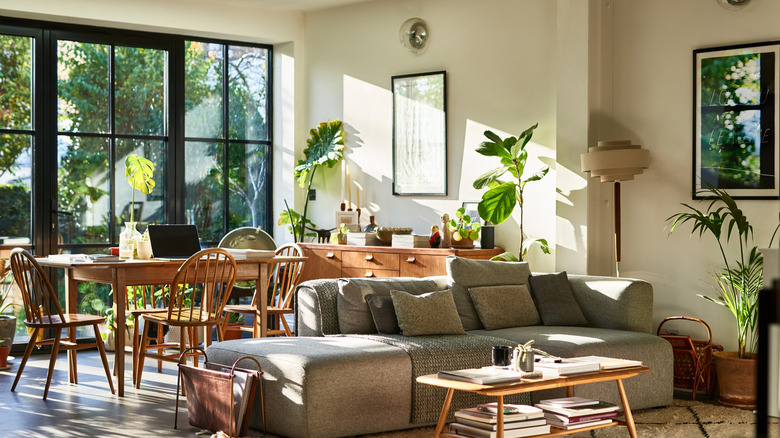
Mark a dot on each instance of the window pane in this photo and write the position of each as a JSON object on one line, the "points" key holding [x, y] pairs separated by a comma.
{"points": [[16, 82], [83, 182], [203, 197], [15, 189], [148, 208], [203, 89], [247, 72], [140, 91], [248, 185], [82, 87]]}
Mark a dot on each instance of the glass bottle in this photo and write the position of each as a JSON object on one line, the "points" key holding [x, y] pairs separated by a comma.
{"points": [[370, 228], [128, 241]]}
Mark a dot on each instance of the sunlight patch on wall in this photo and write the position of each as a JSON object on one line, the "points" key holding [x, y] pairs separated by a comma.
{"points": [[568, 182]]}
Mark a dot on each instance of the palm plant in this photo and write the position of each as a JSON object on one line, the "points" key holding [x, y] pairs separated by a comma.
{"points": [[499, 201], [324, 148], [739, 283]]}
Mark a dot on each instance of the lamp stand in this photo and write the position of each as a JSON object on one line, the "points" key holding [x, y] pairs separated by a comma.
{"points": [[617, 228]]}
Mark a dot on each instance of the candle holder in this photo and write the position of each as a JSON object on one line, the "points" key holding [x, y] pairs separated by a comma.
{"points": [[343, 206], [358, 219]]}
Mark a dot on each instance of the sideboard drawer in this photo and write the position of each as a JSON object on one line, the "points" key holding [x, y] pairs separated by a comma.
{"points": [[321, 263], [417, 265], [368, 273], [370, 260]]}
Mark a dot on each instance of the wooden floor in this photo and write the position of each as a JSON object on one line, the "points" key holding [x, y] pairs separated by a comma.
{"points": [[89, 409]]}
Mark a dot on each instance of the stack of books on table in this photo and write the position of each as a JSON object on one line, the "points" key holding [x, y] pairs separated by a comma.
{"points": [[570, 413], [482, 421], [410, 241]]}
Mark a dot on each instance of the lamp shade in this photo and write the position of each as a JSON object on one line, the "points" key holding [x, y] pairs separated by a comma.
{"points": [[615, 160]]}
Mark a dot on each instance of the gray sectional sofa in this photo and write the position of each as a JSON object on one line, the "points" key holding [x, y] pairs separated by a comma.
{"points": [[339, 377]]}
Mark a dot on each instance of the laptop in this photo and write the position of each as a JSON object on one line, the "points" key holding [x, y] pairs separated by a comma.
{"points": [[173, 241]]}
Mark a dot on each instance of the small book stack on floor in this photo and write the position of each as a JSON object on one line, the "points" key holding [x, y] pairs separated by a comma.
{"points": [[576, 412], [482, 421]]}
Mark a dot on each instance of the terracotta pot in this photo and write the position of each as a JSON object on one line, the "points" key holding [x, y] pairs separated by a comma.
{"points": [[233, 334], [4, 351], [736, 379], [463, 243]]}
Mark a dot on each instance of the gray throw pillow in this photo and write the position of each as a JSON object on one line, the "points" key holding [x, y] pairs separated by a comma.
{"points": [[504, 306], [352, 309], [555, 300], [383, 313], [433, 313], [463, 274]]}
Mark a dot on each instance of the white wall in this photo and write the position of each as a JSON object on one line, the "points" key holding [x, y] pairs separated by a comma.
{"points": [[500, 58], [652, 95]]}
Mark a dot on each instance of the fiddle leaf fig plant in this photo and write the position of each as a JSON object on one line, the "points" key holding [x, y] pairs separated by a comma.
{"points": [[324, 148], [502, 197], [138, 172]]}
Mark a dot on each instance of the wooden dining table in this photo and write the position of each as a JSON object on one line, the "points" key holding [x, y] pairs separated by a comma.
{"points": [[121, 274]]}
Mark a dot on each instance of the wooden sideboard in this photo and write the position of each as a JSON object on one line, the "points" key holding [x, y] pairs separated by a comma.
{"points": [[334, 261]]}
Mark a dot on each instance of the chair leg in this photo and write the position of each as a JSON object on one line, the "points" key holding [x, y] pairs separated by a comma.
{"points": [[142, 355], [72, 356], [102, 350], [55, 349], [135, 347], [27, 353], [287, 330], [160, 340]]}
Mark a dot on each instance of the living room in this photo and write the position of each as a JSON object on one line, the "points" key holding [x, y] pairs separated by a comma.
{"points": [[584, 70]]}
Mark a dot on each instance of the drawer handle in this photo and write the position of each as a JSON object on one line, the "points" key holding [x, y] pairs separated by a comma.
{"points": [[369, 258], [330, 255], [411, 259], [369, 274]]}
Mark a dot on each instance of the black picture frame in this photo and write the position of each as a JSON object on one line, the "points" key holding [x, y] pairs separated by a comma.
{"points": [[735, 120], [420, 134]]}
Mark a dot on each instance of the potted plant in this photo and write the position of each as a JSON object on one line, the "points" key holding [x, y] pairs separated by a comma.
{"points": [[138, 172], [737, 285], [7, 322], [324, 148], [464, 231], [502, 197], [341, 237]]}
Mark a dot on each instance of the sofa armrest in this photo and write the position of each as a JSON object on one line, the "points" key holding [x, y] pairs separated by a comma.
{"points": [[315, 308], [615, 303]]}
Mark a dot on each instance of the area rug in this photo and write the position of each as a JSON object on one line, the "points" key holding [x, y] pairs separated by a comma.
{"points": [[684, 419]]}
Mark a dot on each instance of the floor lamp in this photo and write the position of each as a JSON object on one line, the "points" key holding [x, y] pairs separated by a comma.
{"points": [[615, 161]]}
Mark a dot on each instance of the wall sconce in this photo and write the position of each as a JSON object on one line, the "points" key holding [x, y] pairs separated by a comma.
{"points": [[615, 161], [414, 35]]}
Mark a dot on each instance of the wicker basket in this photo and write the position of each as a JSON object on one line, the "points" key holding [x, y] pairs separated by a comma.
{"points": [[693, 367]]}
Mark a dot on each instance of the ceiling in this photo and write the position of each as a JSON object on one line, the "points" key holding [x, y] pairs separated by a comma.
{"points": [[294, 5]]}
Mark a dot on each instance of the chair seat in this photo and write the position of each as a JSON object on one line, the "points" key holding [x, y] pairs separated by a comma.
{"points": [[67, 320], [136, 312], [194, 318], [278, 310], [240, 308]]}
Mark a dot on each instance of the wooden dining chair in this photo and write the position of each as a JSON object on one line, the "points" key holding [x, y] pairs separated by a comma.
{"points": [[198, 294], [141, 300], [43, 315], [282, 283]]}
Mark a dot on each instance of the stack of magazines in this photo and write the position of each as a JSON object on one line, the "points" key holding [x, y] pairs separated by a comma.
{"points": [[482, 421], [576, 412]]}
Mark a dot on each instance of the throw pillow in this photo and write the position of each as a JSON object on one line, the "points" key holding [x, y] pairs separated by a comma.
{"points": [[432, 313], [504, 306], [555, 300], [463, 274], [353, 313], [383, 313]]}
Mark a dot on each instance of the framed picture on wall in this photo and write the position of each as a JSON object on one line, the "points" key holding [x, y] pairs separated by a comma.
{"points": [[735, 137], [420, 134]]}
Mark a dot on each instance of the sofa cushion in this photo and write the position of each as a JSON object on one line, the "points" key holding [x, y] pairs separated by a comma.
{"points": [[504, 306], [465, 273], [555, 300], [383, 313], [432, 313], [353, 312]]}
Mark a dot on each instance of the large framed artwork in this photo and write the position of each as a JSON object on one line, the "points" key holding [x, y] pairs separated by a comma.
{"points": [[420, 134], [735, 137]]}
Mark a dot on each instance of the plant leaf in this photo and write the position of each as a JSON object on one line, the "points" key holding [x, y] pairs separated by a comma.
{"points": [[498, 203], [325, 147], [486, 178]]}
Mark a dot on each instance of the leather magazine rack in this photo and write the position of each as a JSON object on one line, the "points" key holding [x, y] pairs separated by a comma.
{"points": [[219, 397]]}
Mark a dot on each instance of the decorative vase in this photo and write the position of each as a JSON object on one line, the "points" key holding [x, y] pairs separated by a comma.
{"points": [[523, 360], [128, 241], [736, 379], [342, 238], [464, 243], [372, 226]]}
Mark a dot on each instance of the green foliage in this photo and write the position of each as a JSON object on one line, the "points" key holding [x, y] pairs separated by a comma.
{"points": [[138, 172], [6, 286], [737, 286], [502, 197], [15, 220], [463, 228], [294, 225], [15, 98], [324, 148]]}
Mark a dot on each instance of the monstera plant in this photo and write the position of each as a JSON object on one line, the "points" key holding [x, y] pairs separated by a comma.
{"points": [[500, 200], [324, 148]]}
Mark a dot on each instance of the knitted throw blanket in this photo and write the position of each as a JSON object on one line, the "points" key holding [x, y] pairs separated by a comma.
{"points": [[431, 354]]}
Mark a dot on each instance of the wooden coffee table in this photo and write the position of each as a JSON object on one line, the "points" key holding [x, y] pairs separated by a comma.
{"points": [[530, 385]]}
